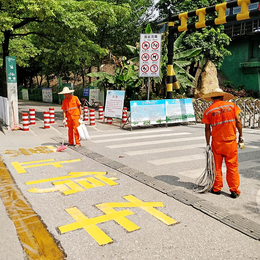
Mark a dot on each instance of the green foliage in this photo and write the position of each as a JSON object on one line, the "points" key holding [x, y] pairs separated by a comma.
{"points": [[211, 40], [125, 77], [182, 58], [60, 34]]}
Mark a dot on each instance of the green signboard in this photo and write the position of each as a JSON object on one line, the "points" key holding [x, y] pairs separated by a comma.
{"points": [[11, 76]]}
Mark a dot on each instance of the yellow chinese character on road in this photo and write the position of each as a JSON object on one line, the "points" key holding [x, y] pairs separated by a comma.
{"points": [[29, 151], [90, 224], [20, 167], [69, 184]]}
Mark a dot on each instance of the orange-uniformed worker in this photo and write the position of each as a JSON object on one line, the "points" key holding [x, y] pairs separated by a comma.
{"points": [[221, 120], [71, 107]]}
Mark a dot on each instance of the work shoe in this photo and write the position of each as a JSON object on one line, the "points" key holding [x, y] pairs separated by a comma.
{"points": [[77, 145], [215, 192], [234, 195]]}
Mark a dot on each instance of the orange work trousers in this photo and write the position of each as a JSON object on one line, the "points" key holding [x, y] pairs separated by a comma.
{"points": [[228, 151], [73, 131]]}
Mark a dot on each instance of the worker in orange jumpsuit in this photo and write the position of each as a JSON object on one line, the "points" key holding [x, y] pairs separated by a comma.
{"points": [[221, 120], [71, 107]]}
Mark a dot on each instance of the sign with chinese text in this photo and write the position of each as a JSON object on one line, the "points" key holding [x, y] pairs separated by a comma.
{"points": [[151, 112], [114, 103], [11, 76], [150, 55]]}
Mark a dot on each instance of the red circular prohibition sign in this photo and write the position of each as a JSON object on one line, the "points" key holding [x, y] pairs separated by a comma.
{"points": [[145, 45], [154, 56], [154, 68], [155, 45], [145, 57], [145, 68]]}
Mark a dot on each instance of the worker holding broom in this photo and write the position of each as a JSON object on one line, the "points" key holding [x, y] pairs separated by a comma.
{"points": [[71, 107], [221, 120]]}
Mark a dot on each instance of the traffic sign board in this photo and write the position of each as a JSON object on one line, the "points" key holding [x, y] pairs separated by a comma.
{"points": [[150, 54]]}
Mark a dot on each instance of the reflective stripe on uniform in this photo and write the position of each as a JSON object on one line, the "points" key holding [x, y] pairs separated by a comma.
{"points": [[219, 123], [71, 108], [215, 108]]}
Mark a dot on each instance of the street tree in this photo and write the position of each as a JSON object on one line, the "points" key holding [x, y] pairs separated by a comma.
{"points": [[47, 29]]}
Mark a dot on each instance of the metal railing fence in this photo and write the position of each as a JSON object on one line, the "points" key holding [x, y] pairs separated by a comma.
{"points": [[250, 111]]}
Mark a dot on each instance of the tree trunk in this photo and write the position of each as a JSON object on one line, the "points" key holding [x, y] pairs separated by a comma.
{"points": [[5, 47], [89, 78]]}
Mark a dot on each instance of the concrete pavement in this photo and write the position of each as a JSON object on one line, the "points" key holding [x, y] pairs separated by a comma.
{"points": [[195, 229]]}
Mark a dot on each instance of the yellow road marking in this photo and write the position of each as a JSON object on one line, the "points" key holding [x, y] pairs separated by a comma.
{"points": [[21, 169], [67, 186], [37, 242], [89, 224], [36, 150]]}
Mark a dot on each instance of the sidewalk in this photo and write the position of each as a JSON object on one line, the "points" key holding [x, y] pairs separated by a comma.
{"points": [[235, 216]]}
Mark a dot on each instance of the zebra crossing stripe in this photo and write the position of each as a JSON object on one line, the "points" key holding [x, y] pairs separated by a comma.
{"points": [[179, 159], [139, 137], [156, 142], [166, 149], [131, 133]]}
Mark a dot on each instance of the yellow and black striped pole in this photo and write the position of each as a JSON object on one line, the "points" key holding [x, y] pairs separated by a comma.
{"points": [[171, 78], [201, 14]]}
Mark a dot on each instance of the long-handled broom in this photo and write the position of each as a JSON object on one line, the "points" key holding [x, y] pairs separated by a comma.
{"points": [[206, 180], [62, 147]]}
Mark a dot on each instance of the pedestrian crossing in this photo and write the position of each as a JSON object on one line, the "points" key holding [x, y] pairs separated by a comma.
{"points": [[182, 152]]}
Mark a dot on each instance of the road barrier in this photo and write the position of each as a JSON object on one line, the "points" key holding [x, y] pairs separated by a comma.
{"points": [[100, 111], [32, 116], [52, 115], [25, 118], [124, 117], [109, 120], [85, 113], [250, 111], [92, 116], [46, 119]]}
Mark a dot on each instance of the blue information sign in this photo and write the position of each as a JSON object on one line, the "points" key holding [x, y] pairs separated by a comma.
{"points": [[85, 92]]}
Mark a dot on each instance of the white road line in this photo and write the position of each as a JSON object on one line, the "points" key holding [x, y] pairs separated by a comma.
{"points": [[156, 142], [166, 149], [186, 158], [194, 174], [131, 133], [139, 137], [252, 147]]}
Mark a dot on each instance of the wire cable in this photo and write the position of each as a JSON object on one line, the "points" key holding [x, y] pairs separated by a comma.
{"points": [[206, 180]]}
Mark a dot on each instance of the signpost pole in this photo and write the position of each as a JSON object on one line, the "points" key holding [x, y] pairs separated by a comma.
{"points": [[12, 94], [148, 90]]}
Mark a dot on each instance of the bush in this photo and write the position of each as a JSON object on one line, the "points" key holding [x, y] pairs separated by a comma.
{"points": [[242, 93]]}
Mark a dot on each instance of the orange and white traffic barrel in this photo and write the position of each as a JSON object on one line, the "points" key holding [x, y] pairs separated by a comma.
{"points": [[85, 113], [92, 116], [32, 116], [25, 118], [109, 120], [100, 111], [52, 115], [124, 117], [46, 119]]}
